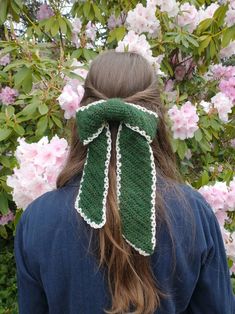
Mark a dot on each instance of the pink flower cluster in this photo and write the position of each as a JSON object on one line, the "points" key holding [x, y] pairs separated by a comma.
{"points": [[188, 16], [39, 165], [184, 121], [114, 21], [219, 71], [223, 104], [5, 60], [73, 91], [230, 16], [139, 44], [171, 7], [44, 12], [90, 32], [208, 12], [5, 219], [228, 51], [228, 87], [8, 95], [143, 20], [222, 199]]}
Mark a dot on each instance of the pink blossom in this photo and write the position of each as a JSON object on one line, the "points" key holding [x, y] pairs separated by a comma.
{"points": [[229, 242], [5, 219], [218, 72], [206, 105], [77, 25], [208, 12], [223, 105], [39, 166], [142, 20], [188, 17], [8, 95], [114, 21], [70, 100], [44, 12], [169, 85], [184, 121], [228, 87], [138, 44], [91, 31], [230, 17], [188, 154], [228, 51], [5, 59], [78, 69], [232, 143], [171, 7]]}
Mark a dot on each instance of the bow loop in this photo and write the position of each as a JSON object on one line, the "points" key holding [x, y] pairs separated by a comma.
{"points": [[136, 175], [92, 118]]}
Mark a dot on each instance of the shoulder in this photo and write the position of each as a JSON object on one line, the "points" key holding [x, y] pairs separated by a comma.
{"points": [[186, 198], [191, 217], [51, 208]]}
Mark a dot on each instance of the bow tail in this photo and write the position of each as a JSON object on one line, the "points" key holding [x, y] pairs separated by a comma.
{"points": [[93, 190], [136, 189]]}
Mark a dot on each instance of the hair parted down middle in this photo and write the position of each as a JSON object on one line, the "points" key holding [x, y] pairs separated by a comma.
{"points": [[130, 77]]}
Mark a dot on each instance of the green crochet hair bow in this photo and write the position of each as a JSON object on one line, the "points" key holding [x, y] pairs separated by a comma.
{"points": [[135, 169]]}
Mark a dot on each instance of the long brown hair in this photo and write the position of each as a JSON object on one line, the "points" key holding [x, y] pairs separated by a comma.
{"points": [[130, 77]]}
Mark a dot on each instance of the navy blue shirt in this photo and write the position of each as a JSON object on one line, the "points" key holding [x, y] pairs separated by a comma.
{"points": [[57, 273]]}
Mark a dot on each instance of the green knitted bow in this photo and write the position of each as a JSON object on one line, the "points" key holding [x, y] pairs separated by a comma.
{"points": [[136, 175]]}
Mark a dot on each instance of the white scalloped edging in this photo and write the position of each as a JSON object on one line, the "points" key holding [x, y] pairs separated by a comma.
{"points": [[118, 163], [106, 186], [141, 132], [127, 103], [153, 196]]}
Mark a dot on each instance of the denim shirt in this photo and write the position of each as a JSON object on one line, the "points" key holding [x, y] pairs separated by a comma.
{"points": [[57, 273]]}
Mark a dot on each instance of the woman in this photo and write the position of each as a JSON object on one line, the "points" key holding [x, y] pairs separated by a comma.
{"points": [[121, 233]]}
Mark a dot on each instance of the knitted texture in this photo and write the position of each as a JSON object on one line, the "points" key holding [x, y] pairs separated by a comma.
{"points": [[136, 175]]}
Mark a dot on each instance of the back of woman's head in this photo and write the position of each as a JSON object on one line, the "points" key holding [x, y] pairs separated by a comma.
{"points": [[130, 77]]}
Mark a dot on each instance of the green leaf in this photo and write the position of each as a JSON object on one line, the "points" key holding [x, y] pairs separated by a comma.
{"points": [[4, 160], [4, 133], [3, 232], [9, 110], [89, 54], [203, 44], [17, 216], [41, 126], [3, 10], [205, 178], [3, 203], [120, 33], [174, 144], [54, 28], [21, 75], [77, 53], [228, 35], [86, 9], [63, 25], [19, 129], [47, 23], [29, 109], [98, 13], [205, 146], [57, 121], [181, 149], [204, 25], [212, 49], [42, 108], [192, 41], [198, 135], [220, 14]]}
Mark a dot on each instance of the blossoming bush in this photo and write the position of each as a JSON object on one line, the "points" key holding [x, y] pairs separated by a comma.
{"points": [[45, 52]]}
